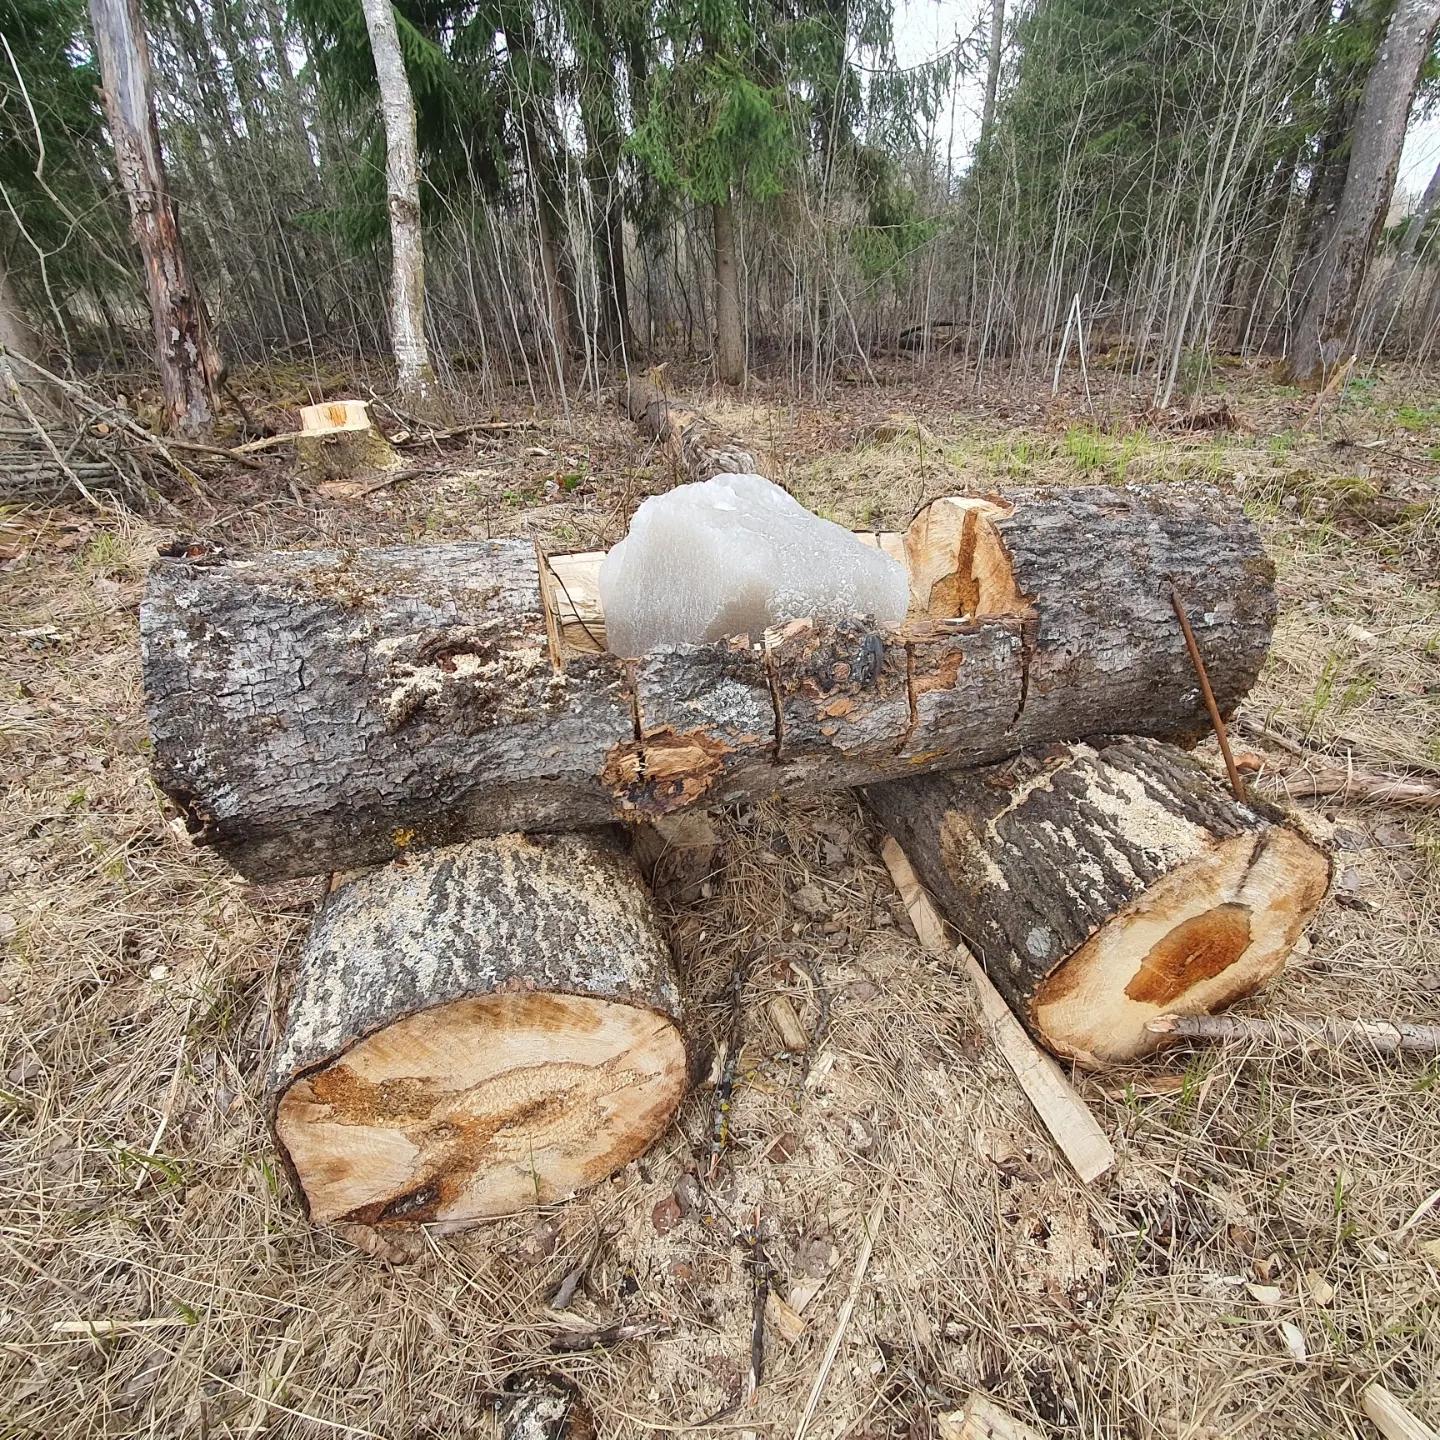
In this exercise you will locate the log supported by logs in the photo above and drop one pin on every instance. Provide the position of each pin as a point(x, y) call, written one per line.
point(1102, 885)
point(476, 1030)
point(309, 708)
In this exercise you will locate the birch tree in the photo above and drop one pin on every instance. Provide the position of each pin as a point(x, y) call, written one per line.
point(402, 198)
point(1327, 330)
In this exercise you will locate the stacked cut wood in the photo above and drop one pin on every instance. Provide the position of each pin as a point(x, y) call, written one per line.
point(484, 1021)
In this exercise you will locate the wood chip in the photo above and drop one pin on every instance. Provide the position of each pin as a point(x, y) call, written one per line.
point(1394, 1420)
point(1321, 1291)
point(983, 1419)
point(782, 1319)
point(787, 1023)
point(1266, 1294)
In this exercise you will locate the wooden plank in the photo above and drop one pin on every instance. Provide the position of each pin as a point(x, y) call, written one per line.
point(1060, 1108)
point(1393, 1419)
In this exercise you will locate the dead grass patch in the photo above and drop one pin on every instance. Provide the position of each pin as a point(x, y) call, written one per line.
point(142, 986)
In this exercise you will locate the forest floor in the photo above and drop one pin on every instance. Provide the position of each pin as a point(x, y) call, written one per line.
point(1268, 1243)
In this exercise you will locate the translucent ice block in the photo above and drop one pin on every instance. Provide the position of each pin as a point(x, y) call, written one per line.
point(733, 556)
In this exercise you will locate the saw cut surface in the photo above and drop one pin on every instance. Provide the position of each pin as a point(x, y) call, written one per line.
point(1209, 933)
point(481, 1107)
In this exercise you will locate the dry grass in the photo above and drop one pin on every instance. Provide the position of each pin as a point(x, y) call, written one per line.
point(142, 986)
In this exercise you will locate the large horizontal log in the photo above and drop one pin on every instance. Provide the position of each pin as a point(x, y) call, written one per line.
point(477, 1030)
point(321, 710)
point(1104, 885)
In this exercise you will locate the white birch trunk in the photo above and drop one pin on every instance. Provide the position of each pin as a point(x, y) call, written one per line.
point(402, 189)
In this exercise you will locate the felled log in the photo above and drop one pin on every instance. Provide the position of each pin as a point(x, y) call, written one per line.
point(1102, 885)
point(338, 441)
point(696, 447)
point(309, 707)
point(477, 1030)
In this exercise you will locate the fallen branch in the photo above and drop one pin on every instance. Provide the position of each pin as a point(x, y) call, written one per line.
point(1365, 787)
point(1388, 1037)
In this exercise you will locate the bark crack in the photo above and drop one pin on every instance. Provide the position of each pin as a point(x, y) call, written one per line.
point(772, 677)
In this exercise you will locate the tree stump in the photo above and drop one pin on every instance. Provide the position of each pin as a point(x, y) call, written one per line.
point(1103, 885)
point(339, 441)
point(477, 1030)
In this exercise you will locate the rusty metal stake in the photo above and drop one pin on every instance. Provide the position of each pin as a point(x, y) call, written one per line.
point(1236, 783)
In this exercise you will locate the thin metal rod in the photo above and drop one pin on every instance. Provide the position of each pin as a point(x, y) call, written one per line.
point(1236, 783)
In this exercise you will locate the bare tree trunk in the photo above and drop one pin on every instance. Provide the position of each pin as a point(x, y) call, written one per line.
point(992, 69)
point(402, 188)
point(1415, 226)
point(1325, 335)
point(729, 339)
point(189, 362)
point(16, 334)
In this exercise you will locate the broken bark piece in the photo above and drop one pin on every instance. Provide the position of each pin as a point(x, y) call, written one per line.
point(338, 441)
point(1104, 885)
point(484, 1028)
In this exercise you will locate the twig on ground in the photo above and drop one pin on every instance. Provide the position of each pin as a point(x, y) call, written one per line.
point(1386, 1036)
point(862, 1263)
point(575, 1342)
point(725, 1084)
point(1237, 785)
point(760, 1278)
point(1362, 786)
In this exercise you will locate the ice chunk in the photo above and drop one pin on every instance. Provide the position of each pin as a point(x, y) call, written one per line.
point(732, 556)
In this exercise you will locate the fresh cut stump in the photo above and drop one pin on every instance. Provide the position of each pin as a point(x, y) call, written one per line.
point(1104, 884)
point(476, 1030)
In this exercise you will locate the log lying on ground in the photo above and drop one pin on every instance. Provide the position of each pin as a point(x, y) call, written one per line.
point(477, 1030)
point(696, 447)
point(308, 708)
point(338, 441)
point(1104, 885)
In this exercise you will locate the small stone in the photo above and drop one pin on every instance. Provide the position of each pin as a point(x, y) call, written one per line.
point(666, 1215)
point(809, 901)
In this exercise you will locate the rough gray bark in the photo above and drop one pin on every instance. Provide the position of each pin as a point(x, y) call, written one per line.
point(696, 447)
point(16, 334)
point(1090, 570)
point(189, 363)
point(1326, 333)
point(729, 334)
point(481, 1028)
point(992, 67)
point(1102, 885)
point(402, 197)
point(308, 708)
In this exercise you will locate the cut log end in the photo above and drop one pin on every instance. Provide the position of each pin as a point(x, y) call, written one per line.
point(481, 1107)
point(1104, 885)
point(1211, 932)
point(477, 1030)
